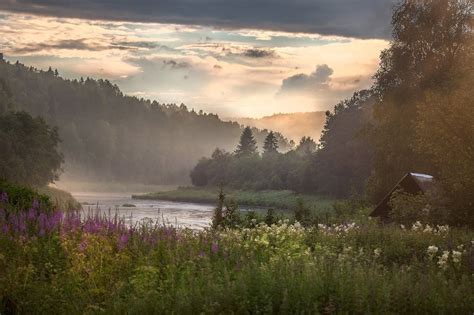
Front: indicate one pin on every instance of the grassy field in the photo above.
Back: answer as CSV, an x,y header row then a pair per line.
x,y
278,199
60,263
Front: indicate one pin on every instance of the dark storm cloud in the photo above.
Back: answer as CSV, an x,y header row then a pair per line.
x,y
173,64
78,44
140,44
316,80
258,53
358,18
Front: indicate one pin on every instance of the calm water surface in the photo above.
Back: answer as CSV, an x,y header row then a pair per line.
x,y
191,215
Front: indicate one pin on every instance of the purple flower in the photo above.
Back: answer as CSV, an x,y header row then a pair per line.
x,y
36,204
31,214
123,241
214,247
3,197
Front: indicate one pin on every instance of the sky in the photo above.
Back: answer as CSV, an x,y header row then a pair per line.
x,y
236,58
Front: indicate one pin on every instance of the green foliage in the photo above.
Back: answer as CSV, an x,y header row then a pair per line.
x,y
281,268
109,136
302,213
247,144
408,208
272,170
445,133
278,199
306,147
344,161
218,216
429,38
270,144
29,153
17,198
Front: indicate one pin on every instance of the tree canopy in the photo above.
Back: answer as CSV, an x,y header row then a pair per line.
x,y
29,150
107,135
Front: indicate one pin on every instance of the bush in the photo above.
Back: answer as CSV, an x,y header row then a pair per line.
x,y
15,198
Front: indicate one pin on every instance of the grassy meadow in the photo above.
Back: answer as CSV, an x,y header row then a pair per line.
x,y
59,262
278,199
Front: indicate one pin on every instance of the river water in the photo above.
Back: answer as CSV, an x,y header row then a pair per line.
x,y
181,214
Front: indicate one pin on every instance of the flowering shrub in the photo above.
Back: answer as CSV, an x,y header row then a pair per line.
x,y
70,262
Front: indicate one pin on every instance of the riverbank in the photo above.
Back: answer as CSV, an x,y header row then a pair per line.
x,y
61,199
278,199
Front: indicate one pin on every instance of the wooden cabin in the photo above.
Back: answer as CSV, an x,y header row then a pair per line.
x,y
412,183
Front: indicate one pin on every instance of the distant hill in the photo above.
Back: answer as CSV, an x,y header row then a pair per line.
x,y
109,136
293,125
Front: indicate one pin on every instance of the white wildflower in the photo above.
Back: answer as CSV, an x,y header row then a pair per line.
x,y
417,226
432,251
377,252
456,256
428,229
443,260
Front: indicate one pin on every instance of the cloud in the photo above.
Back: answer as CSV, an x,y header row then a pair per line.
x,y
140,45
362,19
173,64
316,80
258,53
74,44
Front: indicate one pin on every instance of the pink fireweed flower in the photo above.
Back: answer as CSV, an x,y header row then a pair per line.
x,y
123,241
214,247
36,204
31,214
3,197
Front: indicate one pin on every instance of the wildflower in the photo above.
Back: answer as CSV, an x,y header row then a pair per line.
x,y
456,256
432,251
428,229
442,229
377,252
36,204
214,247
3,197
123,241
443,260
417,226
31,214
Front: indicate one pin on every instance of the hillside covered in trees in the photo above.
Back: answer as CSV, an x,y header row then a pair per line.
x,y
417,117
106,135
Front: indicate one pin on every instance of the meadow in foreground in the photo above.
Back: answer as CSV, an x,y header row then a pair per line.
x,y
55,262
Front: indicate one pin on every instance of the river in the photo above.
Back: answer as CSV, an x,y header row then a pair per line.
x,y
182,214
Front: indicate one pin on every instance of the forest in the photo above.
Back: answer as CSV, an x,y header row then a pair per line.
x,y
108,136
336,258
417,117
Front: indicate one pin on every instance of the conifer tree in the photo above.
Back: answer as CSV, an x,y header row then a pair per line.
x,y
271,144
247,144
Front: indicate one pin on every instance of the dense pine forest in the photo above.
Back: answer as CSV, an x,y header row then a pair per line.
x,y
106,135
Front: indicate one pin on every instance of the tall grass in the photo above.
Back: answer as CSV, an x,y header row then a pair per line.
x,y
63,263
280,199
